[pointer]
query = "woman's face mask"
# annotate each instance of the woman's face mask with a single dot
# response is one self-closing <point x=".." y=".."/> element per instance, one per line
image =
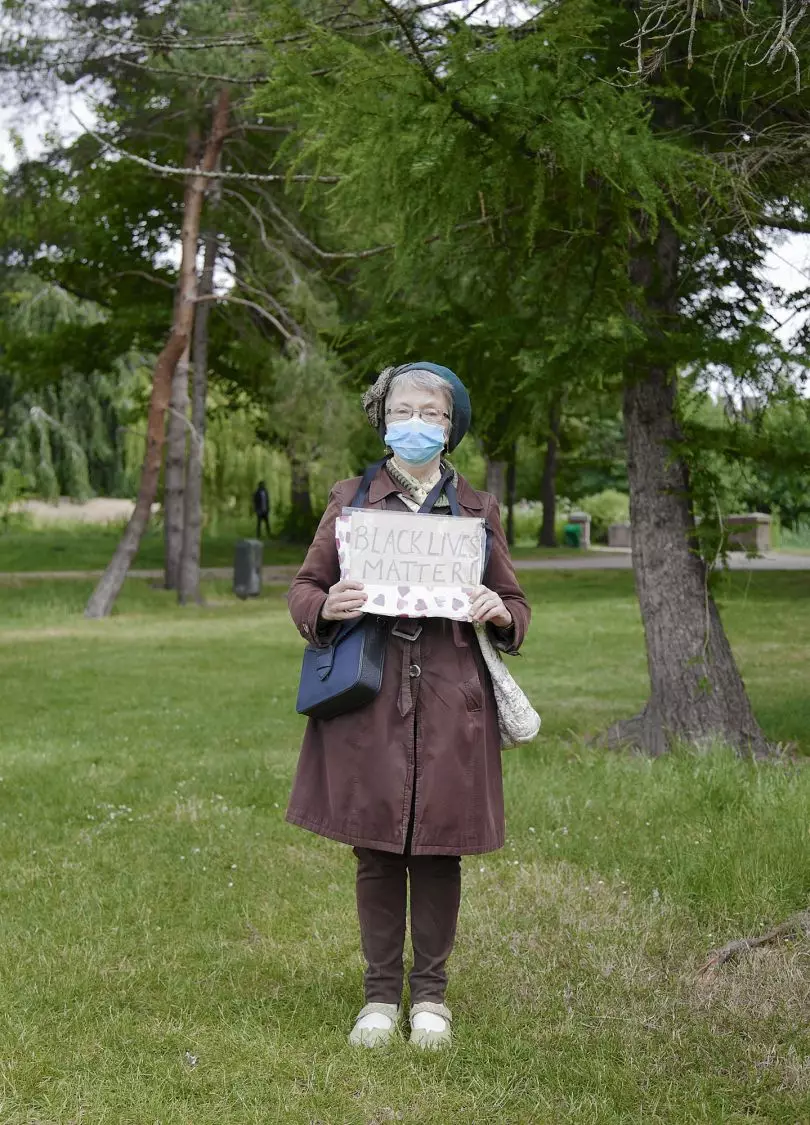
<point x="415" y="441"/>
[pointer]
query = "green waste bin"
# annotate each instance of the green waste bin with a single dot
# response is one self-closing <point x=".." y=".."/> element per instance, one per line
<point x="572" y="535"/>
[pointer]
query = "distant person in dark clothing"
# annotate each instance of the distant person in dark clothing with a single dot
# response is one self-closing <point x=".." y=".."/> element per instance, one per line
<point x="261" y="506"/>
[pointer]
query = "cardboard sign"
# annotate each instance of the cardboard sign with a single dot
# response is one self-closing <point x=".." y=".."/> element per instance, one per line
<point x="412" y="565"/>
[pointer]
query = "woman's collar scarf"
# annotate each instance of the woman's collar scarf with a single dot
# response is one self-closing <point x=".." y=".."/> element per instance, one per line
<point x="418" y="490"/>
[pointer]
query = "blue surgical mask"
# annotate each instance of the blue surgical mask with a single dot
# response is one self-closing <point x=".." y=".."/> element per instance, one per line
<point x="415" y="441"/>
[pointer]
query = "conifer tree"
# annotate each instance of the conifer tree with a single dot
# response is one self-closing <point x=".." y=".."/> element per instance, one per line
<point x="605" y="163"/>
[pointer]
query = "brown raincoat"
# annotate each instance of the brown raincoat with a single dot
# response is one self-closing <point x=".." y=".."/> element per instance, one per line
<point x="433" y="725"/>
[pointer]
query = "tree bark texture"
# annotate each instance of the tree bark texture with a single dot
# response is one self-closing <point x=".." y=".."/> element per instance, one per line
<point x="696" y="691"/>
<point x="299" y="522"/>
<point x="548" y="484"/>
<point x="511" y="472"/>
<point x="110" y="583"/>
<point x="174" y="479"/>
<point x="496" y="479"/>
<point x="109" y="586"/>
<point x="189" y="579"/>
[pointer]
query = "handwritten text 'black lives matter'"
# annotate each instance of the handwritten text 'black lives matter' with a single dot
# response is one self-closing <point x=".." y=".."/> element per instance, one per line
<point x="425" y="556"/>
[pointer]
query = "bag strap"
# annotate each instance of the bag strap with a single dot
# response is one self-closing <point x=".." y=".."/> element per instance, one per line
<point x="445" y="482"/>
<point x="361" y="494"/>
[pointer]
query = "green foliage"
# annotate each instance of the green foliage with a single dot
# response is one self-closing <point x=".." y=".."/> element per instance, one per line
<point x="72" y="434"/>
<point x="528" y="515"/>
<point x="605" y="508"/>
<point x="750" y="458"/>
<point x="235" y="460"/>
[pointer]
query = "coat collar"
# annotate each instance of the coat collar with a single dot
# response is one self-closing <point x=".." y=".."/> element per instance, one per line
<point x="383" y="486"/>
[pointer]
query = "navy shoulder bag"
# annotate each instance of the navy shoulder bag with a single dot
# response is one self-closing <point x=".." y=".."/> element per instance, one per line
<point x="347" y="674"/>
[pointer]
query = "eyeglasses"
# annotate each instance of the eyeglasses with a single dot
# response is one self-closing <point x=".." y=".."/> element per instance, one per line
<point x="405" y="413"/>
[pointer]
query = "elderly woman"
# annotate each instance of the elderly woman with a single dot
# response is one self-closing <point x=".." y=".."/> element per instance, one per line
<point x="412" y="781"/>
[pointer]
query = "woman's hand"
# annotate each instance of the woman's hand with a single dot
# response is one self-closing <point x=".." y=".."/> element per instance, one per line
<point x="486" y="605"/>
<point x="344" y="601"/>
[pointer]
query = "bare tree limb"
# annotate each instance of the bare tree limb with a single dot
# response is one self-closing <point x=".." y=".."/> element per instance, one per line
<point x="170" y="72"/>
<point x="147" y="277"/>
<point x="346" y="255"/>
<point x="172" y="170"/>
<point x="666" y="21"/>
<point x="777" y="223"/>
<point x="226" y="299"/>
<point x="798" y="925"/>
<point x="285" y="314"/>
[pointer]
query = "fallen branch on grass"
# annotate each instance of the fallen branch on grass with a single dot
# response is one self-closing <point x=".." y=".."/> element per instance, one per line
<point x="798" y="925"/>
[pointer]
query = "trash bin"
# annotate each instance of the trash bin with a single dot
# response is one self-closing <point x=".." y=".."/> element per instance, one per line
<point x="572" y="535"/>
<point x="247" y="568"/>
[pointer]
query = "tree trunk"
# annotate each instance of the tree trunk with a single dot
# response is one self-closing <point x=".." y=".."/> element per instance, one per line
<point x="189" y="582"/>
<point x="496" y="479"/>
<point x="299" y="523"/>
<point x="300" y="494"/>
<point x="175" y="474"/>
<point x="548" y="485"/>
<point x="511" y="470"/>
<point x="110" y="583"/>
<point x="696" y="692"/>
<point x="103" y="597"/>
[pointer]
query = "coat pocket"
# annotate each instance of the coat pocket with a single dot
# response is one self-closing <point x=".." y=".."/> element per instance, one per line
<point x="473" y="694"/>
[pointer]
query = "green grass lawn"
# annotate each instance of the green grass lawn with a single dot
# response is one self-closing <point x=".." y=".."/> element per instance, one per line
<point x="174" y="952"/>
<point x="87" y="547"/>
<point x="90" y="547"/>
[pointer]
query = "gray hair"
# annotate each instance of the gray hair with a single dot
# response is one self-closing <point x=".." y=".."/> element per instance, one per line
<point x="422" y="381"/>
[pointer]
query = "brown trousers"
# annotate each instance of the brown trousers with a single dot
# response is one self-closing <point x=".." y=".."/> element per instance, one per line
<point x="382" y="879"/>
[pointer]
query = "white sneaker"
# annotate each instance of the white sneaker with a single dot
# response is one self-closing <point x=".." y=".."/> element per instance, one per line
<point x="375" y="1025"/>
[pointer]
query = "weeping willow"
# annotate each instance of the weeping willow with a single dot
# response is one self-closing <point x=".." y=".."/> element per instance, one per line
<point x="76" y="435"/>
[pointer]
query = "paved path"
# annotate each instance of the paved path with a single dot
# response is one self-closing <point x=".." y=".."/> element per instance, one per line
<point x="622" y="560"/>
<point x="281" y="575"/>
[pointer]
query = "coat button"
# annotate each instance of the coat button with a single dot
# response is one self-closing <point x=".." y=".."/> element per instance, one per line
<point x="414" y="671"/>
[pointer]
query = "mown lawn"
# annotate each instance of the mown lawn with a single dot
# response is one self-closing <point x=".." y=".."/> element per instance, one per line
<point x="90" y="547"/>
<point x="174" y="952"/>
<point x="57" y="547"/>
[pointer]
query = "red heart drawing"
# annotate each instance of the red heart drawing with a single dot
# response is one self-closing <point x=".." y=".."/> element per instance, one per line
<point x="402" y="604"/>
<point x="457" y="604"/>
<point x="403" y="590"/>
<point x="421" y="606"/>
<point x="379" y="600"/>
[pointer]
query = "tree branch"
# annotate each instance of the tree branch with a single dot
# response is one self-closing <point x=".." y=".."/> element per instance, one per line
<point x="348" y="255"/>
<point x="226" y="299"/>
<point x="172" y="170"/>
<point x="147" y="277"/>
<point x="461" y="110"/>
<point x="777" y="223"/>
<point x="271" y="300"/>
<point x="170" y="72"/>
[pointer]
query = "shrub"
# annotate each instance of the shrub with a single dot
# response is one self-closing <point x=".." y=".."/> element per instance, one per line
<point x="605" y="508"/>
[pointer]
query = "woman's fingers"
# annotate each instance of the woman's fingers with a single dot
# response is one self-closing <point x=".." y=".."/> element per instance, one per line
<point x="344" y="600"/>
<point x="486" y="605"/>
